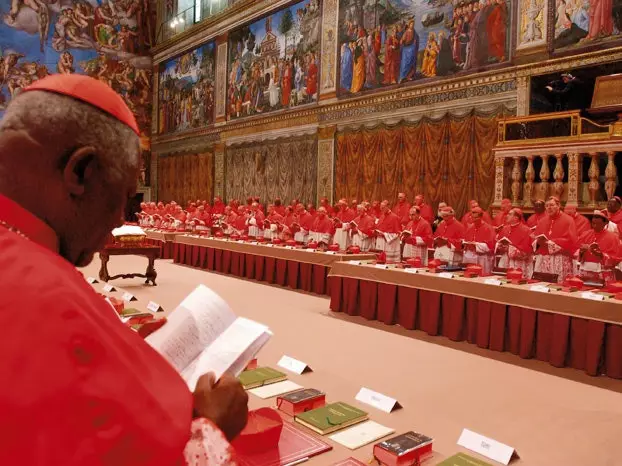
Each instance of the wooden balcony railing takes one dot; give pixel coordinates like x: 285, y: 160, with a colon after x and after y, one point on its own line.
x: 542, y: 155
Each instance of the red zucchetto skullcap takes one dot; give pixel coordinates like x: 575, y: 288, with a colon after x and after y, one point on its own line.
x: 90, y: 91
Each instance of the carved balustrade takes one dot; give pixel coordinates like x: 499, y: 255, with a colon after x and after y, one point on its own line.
x: 559, y: 154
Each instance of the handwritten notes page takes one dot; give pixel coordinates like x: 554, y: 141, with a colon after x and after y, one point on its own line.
x: 203, y: 335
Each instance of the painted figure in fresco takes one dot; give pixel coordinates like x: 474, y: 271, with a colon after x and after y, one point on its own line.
x: 601, y: 19
x: 347, y: 65
x: 312, y: 76
x: 496, y: 27
x: 358, y: 76
x: 430, y: 54
x: 40, y: 7
x: 65, y: 63
x: 410, y: 49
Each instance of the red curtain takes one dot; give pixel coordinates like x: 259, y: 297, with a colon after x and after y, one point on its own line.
x: 449, y: 159
x: 186, y: 177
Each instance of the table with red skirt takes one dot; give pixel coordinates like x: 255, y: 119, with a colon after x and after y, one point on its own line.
x: 294, y: 268
x: 164, y: 240
x: 563, y: 328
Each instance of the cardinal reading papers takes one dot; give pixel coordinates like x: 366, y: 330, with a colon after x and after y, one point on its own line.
x: 203, y: 335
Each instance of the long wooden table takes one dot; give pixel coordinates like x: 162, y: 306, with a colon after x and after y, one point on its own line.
x: 164, y: 240
x: 295, y: 268
x: 562, y: 328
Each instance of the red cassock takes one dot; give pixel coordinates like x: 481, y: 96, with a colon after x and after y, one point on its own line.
x: 280, y: 210
x: 346, y: 216
x: 519, y: 235
x: 305, y: 221
x: 426, y: 212
x: 483, y: 233
x: 534, y: 219
x: 420, y: 228
x: 218, y: 208
x: 608, y: 242
x: 617, y: 219
x: 365, y: 224
x: 274, y: 218
x: 402, y: 210
x: 80, y: 387
x: 389, y: 223
x: 230, y: 219
x: 323, y: 225
x: 581, y: 224
x: 240, y: 224
x: 560, y: 230
x: 452, y: 231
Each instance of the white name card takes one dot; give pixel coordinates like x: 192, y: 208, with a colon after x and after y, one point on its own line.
x: 411, y: 270
x: 487, y: 447
x: 493, y: 281
x: 127, y: 297
x: 254, y: 242
x: 355, y: 262
x: 91, y: 280
x: 270, y: 245
x: 332, y: 253
x: 381, y: 266
x: 592, y: 296
x: 540, y: 288
x: 289, y: 247
x: 154, y: 307
x: 377, y: 400
x: 109, y: 288
x: 446, y: 275
x: 293, y: 365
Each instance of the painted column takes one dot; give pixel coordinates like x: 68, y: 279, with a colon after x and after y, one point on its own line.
x: 328, y: 78
x: 325, y: 163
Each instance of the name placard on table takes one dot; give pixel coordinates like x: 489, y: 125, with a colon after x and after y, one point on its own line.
x: 91, y: 280
x: 109, y: 288
x: 128, y: 297
x: 294, y: 365
x: 592, y: 296
x: 540, y: 288
x: 377, y: 400
x: 487, y: 447
x: 154, y: 307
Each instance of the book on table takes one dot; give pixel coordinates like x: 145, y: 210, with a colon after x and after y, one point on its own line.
x: 294, y: 446
x: 203, y: 335
x: 261, y: 376
x: 300, y: 401
x: 404, y: 449
x: 331, y: 418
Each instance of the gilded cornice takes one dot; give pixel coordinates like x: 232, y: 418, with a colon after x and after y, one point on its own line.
x: 237, y: 15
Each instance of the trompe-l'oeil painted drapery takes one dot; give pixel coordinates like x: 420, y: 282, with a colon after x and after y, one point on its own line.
x: 284, y: 168
x: 449, y: 159
x: 186, y: 177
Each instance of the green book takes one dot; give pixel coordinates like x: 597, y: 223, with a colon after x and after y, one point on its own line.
x: 331, y: 418
x: 462, y: 459
x: 260, y: 376
x: 131, y: 312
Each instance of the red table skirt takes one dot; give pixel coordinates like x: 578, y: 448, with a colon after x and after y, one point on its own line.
x: 295, y: 275
x: 563, y: 341
x: 166, y: 247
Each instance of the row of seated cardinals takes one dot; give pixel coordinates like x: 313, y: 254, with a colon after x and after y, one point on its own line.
x: 551, y: 241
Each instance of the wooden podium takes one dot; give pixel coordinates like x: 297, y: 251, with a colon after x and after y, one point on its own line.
x: 607, y: 100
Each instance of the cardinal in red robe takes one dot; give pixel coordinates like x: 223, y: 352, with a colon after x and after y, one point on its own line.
x: 388, y: 231
x: 599, y: 250
x: 448, y: 238
x: 82, y: 389
x: 499, y: 220
x: 240, y: 225
x: 514, y: 244
x: 538, y: 214
x: 426, y: 211
x: 402, y: 208
x: 614, y: 212
x: 219, y: 206
x: 323, y: 228
x: 417, y: 237
x: 467, y: 219
x: 479, y: 242
x: 272, y: 223
x: 581, y: 223
x: 279, y: 207
x: 361, y: 229
x: 555, y: 242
